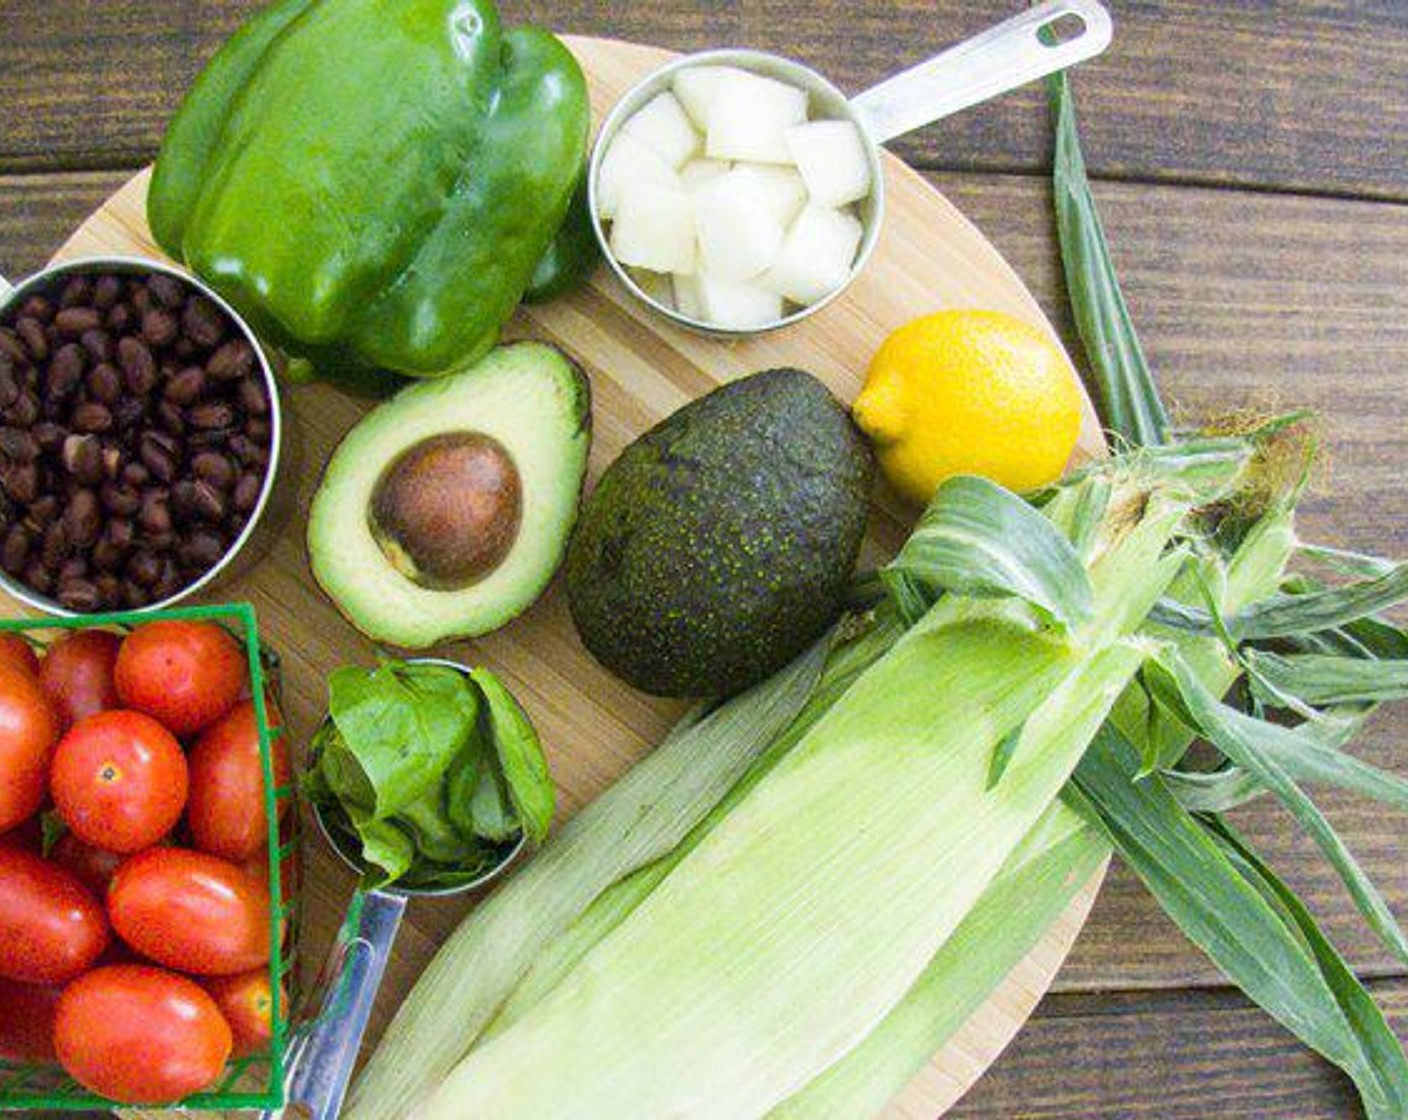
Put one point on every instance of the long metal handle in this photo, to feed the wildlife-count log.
(1000, 59)
(324, 1049)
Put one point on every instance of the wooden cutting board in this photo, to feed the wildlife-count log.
(641, 369)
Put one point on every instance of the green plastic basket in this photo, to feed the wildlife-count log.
(257, 1080)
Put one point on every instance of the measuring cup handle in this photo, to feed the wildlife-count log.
(1001, 58)
(324, 1050)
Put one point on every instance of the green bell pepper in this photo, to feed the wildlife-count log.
(376, 184)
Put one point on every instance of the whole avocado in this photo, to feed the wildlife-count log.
(720, 543)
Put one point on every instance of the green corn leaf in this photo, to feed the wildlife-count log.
(1286, 968)
(1322, 680)
(1385, 1077)
(1260, 748)
(976, 538)
(1132, 407)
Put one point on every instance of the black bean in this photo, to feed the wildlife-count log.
(91, 416)
(36, 342)
(19, 445)
(38, 578)
(201, 551)
(252, 397)
(160, 454)
(135, 474)
(166, 290)
(107, 290)
(25, 411)
(160, 327)
(54, 549)
(128, 412)
(203, 322)
(104, 383)
(214, 468)
(143, 568)
(38, 307)
(246, 492)
(14, 551)
(9, 382)
(186, 386)
(75, 567)
(155, 513)
(119, 318)
(120, 499)
(210, 415)
(98, 343)
(21, 482)
(138, 365)
(78, 290)
(232, 361)
(80, 595)
(12, 348)
(72, 322)
(83, 458)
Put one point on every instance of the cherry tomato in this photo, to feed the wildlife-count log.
(28, 730)
(191, 911)
(140, 1035)
(226, 809)
(77, 674)
(17, 652)
(247, 1003)
(186, 674)
(27, 1021)
(51, 926)
(93, 867)
(119, 781)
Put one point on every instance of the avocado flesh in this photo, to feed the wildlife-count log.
(534, 401)
(721, 543)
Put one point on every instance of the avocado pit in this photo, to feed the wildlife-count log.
(447, 510)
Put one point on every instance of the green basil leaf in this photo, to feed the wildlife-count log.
(520, 756)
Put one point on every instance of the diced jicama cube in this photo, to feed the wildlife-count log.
(698, 171)
(654, 284)
(661, 125)
(749, 116)
(688, 301)
(654, 228)
(738, 234)
(785, 191)
(627, 160)
(729, 303)
(817, 255)
(697, 88)
(832, 160)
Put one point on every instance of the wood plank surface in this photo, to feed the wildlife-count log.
(1295, 94)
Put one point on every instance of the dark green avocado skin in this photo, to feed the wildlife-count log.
(720, 544)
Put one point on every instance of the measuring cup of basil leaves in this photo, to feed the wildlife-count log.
(427, 778)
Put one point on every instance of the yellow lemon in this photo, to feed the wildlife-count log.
(969, 392)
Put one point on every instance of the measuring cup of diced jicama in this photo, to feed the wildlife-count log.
(736, 191)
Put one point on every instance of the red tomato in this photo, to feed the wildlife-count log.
(119, 781)
(226, 809)
(191, 911)
(28, 730)
(93, 867)
(51, 927)
(140, 1035)
(77, 674)
(186, 674)
(27, 1021)
(247, 1003)
(15, 651)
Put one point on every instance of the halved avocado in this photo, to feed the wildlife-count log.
(445, 511)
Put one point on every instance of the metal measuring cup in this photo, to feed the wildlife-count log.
(323, 1048)
(1017, 51)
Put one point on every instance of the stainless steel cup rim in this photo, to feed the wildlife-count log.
(483, 880)
(1019, 50)
(12, 295)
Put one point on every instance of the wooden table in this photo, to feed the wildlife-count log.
(1251, 160)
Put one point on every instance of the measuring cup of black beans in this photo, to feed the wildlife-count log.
(139, 436)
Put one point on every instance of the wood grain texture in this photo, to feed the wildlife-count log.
(1184, 1056)
(641, 369)
(1296, 94)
